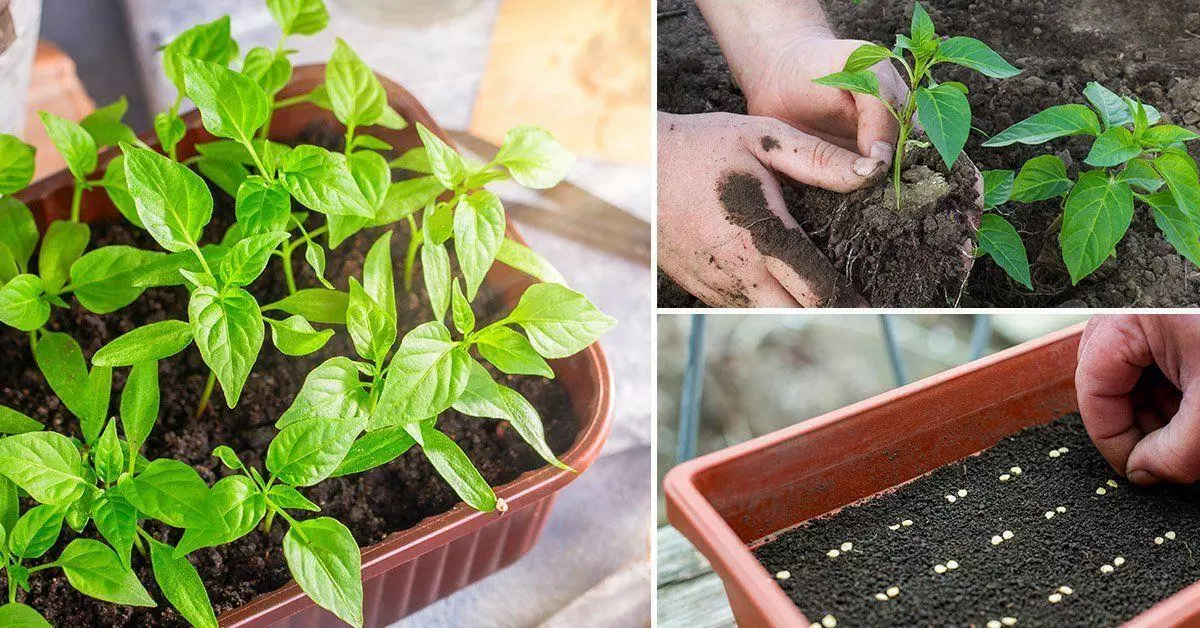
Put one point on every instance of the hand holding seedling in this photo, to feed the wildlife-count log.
(724, 232)
(777, 48)
(1138, 380)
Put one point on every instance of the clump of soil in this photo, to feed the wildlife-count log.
(1143, 50)
(1016, 577)
(373, 504)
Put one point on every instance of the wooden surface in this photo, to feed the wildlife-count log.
(580, 69)
(690, 595)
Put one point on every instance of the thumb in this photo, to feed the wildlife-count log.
(1172, 452)
(811, 160)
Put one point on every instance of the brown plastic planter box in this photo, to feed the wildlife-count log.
(735, 499)
(413, 567)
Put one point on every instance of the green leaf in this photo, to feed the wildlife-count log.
(438, 223)
(65, 241)
(237, 503)
(946, 116)
(286, 496)
(228, 328)
(173, 202)
(95, 570)
(173, 493)
(18, 231)
(210, 42)
(976, 55)
(295, 336)
(1111, 107)
(331, 389)
(168, 269)
(559, 321)
(318, 305)
(1177, 226)
(1055, 122)
(405, 198)
(325, 561)
(485, 398)
(435, 266)
(922, 25)
(15, 422)
(997, 187)
(1095, 218)
(379, 281)
(1140, 174)
(228, 457)
(1179, 171)
(510, 352)
(866, 56)
(534, 158)
(116, 519)
(444, 163)
(321, 180)
(182, 586)
(454, 467)
(861, 82)
(16, 164)
(227, 175)
(314, 255)
(299, 17)
(10, 504)
(369, 142)
(102, 279)
(413, 160)
(17, 615)
(105, 126)
(999, 239)
(426, 375)
(231, 105)
(270, 71)
(169, 129)
(1113, 148)
(73, 142)
(374, 449)
(371, 326)
(307, 450)
(1041, 178)
(109, 459)
(155, 341)
(478, 230)
(247, 259)
(464, 318)
(262, 207)
(356, 94)
(61, 361)
(21, 305)
(96, 401)
(79, 512)
(45, 464)
(36, 531)
(1167, 134)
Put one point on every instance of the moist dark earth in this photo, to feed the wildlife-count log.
(373, 504)
(1016, 577)
(1146, 50)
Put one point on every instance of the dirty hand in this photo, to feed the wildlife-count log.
(1138, 384)
(724, 233)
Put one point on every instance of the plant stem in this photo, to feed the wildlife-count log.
(905, 129)
(207, 394)
(349, 141)
(410, 257)
(76, 200)
(287, 271)
(268, 520)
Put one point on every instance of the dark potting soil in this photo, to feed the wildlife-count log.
(373, 504)
(1016, 577)
(1140, 49)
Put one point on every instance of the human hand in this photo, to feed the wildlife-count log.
(724, 233)
(1138, 384)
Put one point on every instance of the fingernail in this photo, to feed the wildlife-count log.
(1142, 478)
(866, 166)
(882, 151)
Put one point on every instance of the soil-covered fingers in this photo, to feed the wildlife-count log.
(810, 160)
(1113, 353)
(1172, 452)
(730, 274)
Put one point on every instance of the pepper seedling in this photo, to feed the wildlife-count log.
(940, 107)
(1134, 157)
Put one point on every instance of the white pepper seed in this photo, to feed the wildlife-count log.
(962, 492)
(1055, 598)
(1016, 470)
(1049, 514)
(893, 591)
(1101, 491)
(951, 499)
(1170, 535)
(1106, 569)
(1112, 483)
(952, 564)
(1118, 561)
(815, 624)
(1056, 453)
(1061, 509)
(1158, 540)
(894, 527)
(996, 540)
(783, 575)
(1008, 621)
(993, 624)
(906, 522)
(833, 553)
(881, 597)
(847, 546)
(939, 568)
(1065, 590)
(1007, 534)
(829, 621)
(1063, 450)
(1005, 477)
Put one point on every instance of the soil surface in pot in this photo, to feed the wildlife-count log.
(1016, 577)
(1140, 49)
(373, 505)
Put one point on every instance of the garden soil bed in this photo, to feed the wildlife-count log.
(1140, 49)
(1011, 579)
(373, 504)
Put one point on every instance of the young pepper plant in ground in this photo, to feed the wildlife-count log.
(1133, 158)
(941, 108)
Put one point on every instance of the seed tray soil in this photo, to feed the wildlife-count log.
(1143, 49)
(373, 504)
(1014, 578)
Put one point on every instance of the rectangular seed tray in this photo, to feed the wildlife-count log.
(444, 553)
(732, 500)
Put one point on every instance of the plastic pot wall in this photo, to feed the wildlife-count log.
(444, 553)
(735, 499)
